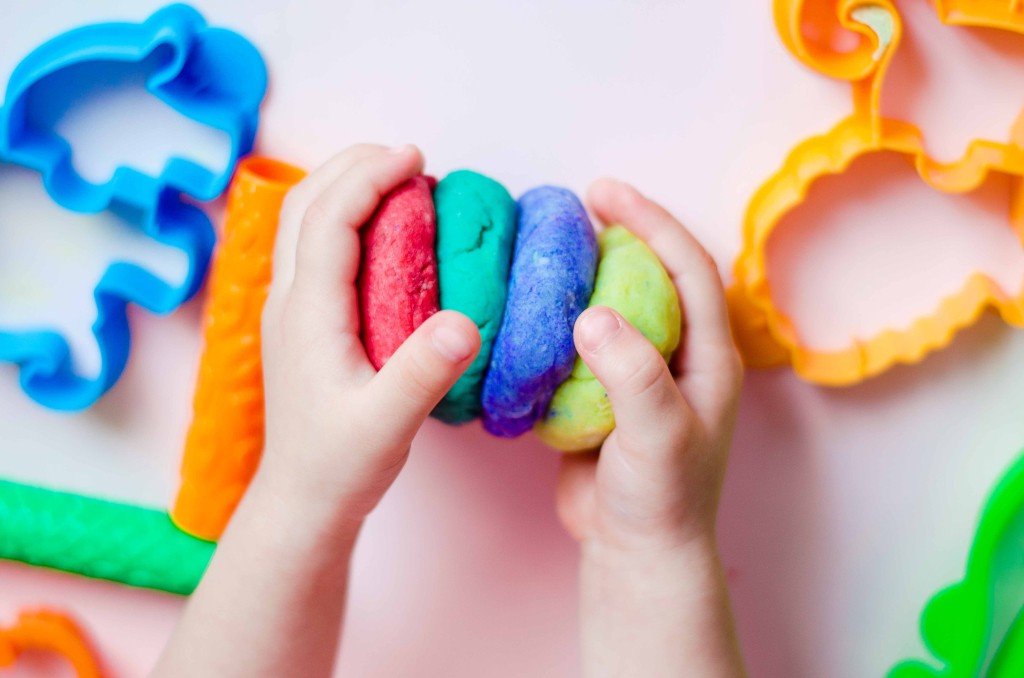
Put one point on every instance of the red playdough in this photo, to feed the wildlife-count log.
(398, 280)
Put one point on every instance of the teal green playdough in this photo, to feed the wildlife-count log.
(631, 280)
(98, 538)
(476, 229)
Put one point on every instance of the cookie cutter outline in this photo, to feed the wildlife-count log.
(34, 530)
(956, 623)
(211, 75)
(48, 630)
(767, 337)
(83, 535)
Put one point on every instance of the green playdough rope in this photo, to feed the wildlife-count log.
(97, 538)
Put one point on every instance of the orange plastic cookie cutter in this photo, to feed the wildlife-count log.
(225, 440)
(766, 336)
(49, 631)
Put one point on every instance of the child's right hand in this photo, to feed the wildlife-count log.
(653, 597)
(657, 480)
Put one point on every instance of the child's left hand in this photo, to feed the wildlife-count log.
(653, 596)
(338, 433)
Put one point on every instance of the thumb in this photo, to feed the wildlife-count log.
(421, 371)
(649, 409)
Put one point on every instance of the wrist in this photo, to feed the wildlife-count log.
(656, 611)
(290, 503)
(653, 562)
(644, 578)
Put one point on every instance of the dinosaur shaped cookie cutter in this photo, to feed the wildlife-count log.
(210, 75)
(959, 624)
(767, 337)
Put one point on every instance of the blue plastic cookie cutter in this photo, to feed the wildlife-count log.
(211, 75)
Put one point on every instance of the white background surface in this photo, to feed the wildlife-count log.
(844, 509)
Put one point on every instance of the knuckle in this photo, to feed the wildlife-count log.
(731, 366)
(677, 427)
(414, 380)
(709, 262)
(369, 182)
(628, 200)
(359, 149)
(288, 314)
(316, 216)
(343, 159)
(292, 206)
(736, 365)
(644, 376)
(307, 256)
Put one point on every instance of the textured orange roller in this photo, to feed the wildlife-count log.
(225, 440)
(48, 631)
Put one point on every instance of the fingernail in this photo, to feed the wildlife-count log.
(597, 327)
(451, 344)
(398, 150)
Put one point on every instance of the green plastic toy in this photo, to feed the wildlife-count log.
(97, 538)
(976, 626)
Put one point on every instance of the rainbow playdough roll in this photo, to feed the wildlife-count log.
(398, 279)
(551, 279)
(476, 230)
(631, 280)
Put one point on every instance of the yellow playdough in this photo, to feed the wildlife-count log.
(631, 280)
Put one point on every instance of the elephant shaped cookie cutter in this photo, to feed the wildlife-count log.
(213, 76)
(210, 75)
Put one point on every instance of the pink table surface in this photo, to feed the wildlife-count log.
(844, 509)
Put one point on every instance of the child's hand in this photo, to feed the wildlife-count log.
(657, 480)
(337, 432)
(653, 598)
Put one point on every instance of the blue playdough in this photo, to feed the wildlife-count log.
(550, 283)
(211, 75)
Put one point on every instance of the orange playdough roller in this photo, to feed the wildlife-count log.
(225, 440)
(48, 631)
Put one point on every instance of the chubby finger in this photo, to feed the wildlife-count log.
(298, 201)
(327, 251)
(650, 412)
(707, 362)
(421, 372)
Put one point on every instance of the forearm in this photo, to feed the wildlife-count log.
(271, 602)
(662, 613)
